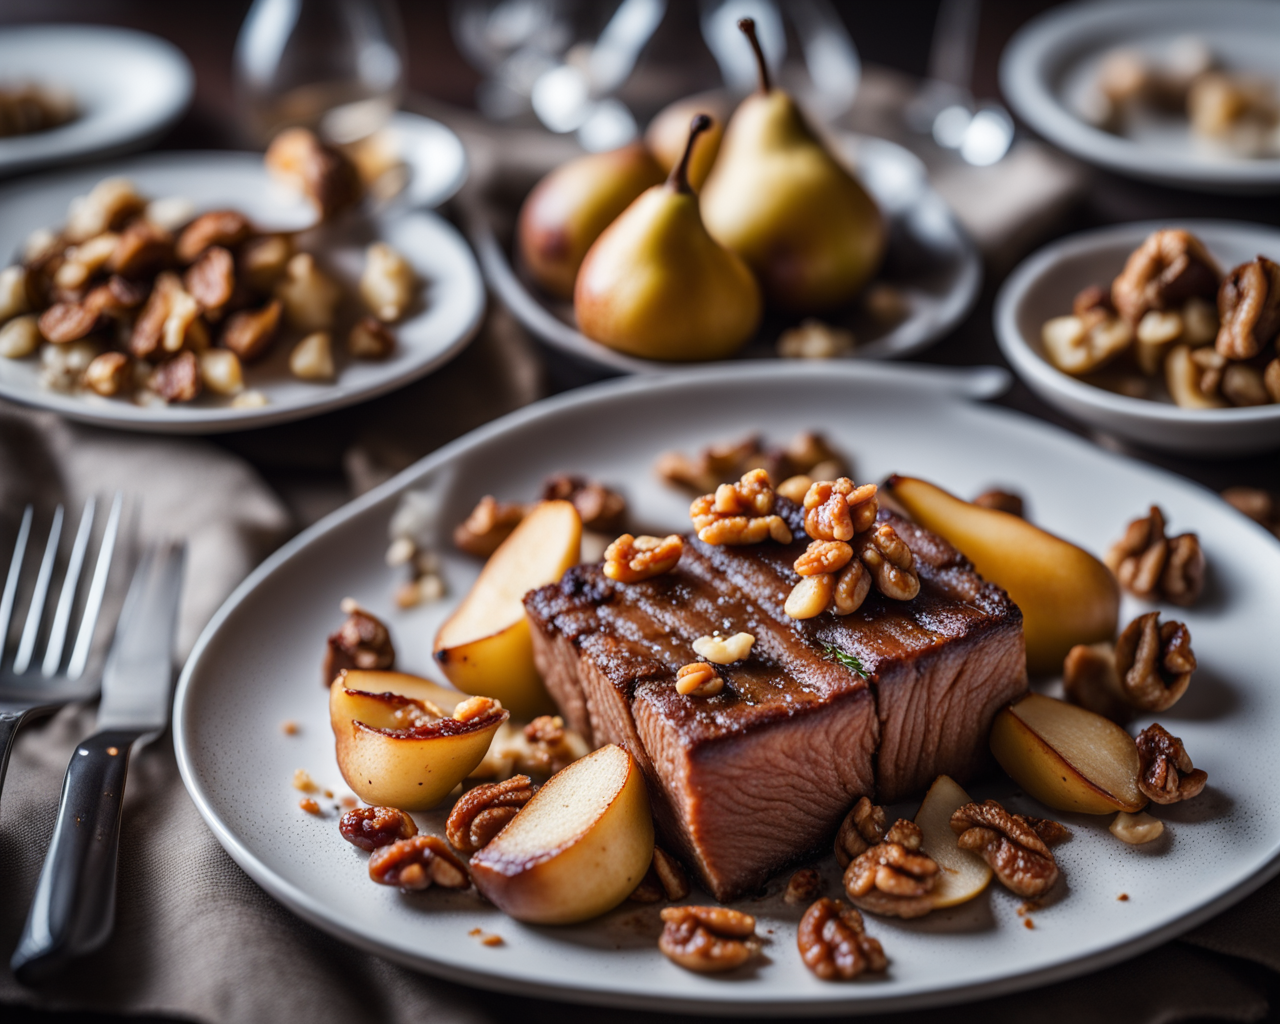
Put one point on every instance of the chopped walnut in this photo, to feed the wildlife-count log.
(372, 827)
(804, 886)
(1271, 379)
(893, 877)
(863, 827)
(362, 642)
(598, 507)
(322, 173)
(794, 488)
(739, 513)
(814, 339)
(834, 943)
(481, 813)
(1014, 848)
(1002, 501)
(724, 650)
(1152, 566)
(109, 373)
(550, 746)
(807, 454)
(109, 204)
(370, 338)
(1249, 309)
(218, 227)
(708, 939)
(1244, 386)
(1076, 348)
(1193, 377)
(177, 379)
(1147, 669)
(632, 559)
(1135, 829)
(649, 889)
(698, 679)
(665, 879)
(418, 863)
(488, 525)
(211, 280)
(249, 333)
(67, 321)
(1166, 774)
(1170, 267)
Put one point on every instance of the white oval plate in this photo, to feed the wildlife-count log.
(1055, 55)
(931, 261)
(129, 87)
(451, 308)
(257, 665)
(1043, 286)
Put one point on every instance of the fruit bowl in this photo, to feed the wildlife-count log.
(1043, 286)
(931, 262)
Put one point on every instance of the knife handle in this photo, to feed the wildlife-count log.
(74, 906)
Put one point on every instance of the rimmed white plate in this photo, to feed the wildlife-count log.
(128, 86)
(258, 664)
(1056, 55)
(931, 261)
(435, 331)
(1043, 286)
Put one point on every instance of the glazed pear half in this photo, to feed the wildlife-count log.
(656, 285)
(780, 200)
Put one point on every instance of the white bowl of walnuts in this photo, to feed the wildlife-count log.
(1160, 333)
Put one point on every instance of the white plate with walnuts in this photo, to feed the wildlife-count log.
(240, 742)
(445, 301)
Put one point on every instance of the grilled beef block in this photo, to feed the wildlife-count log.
(746, 782)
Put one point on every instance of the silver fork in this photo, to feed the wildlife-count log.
(33, 682)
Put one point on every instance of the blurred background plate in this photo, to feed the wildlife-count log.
(930, 262)
(128, 88)
(431, 334)
(1052, 59)
(1044, 286)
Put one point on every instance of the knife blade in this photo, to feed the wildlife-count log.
(73, 910)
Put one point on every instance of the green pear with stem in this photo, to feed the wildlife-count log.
(569, 208)
(779, 199)
(655, 284)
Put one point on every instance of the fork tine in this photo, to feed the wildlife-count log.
(97, 587)
(36, 612)
(67, 597)
(11, 582)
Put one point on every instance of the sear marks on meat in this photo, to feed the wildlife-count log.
(747, 782)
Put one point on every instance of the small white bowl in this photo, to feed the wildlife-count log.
(1043, 287)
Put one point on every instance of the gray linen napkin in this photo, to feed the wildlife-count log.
(195, 938)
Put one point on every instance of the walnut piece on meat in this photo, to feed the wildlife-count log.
(227, 228)
(698, 679)
(862, 828)
(893, 877)
(418, 863)
(177, 379)
(890, 562)
(740, 513)
(1153, 566)
(599, 508)
(372, 827)
(1170, 267)
(1015, 848)
(708, 939)
(632, 559)
(482, 812)
(488, 525)
(834, 943)
(361, 642)
(838, 509)
(322, 173)
(1166, 774)
(1249, 309)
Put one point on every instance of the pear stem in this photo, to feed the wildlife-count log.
(678, 179)
(748, 27)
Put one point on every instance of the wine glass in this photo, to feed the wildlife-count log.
(337, 66)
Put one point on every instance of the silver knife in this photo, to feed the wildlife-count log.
(73, 910)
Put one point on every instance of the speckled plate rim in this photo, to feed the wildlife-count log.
(940, 385)
(1038, 50)
(1030, 364)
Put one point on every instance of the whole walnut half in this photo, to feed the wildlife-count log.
(599, 507)
(1165, 772)
(1169, 268)
(1155, 567)
(481, 813)
(372, 827)
(1147, 669)
(418, 863)
(362, 642)
(708, 939)
(893, 877)
(1249, 309)
(862, 828)
(1015, 846)
(834, 943)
